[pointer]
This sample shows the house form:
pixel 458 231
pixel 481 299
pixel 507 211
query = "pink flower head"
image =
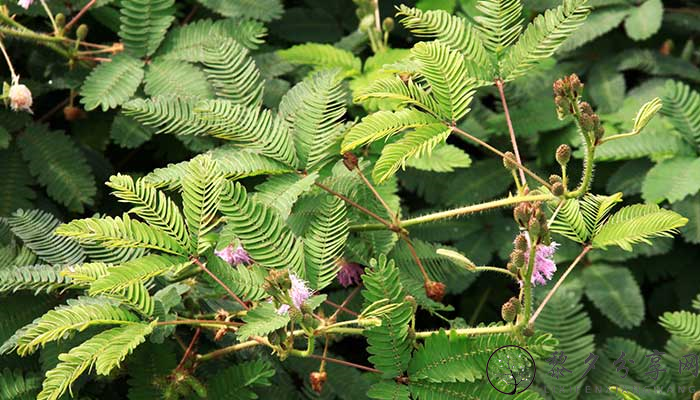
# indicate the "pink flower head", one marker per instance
pixel 20 97
pixel 299 291
pixel 544 267
pixel 234 256
pixel 349 273
pixel 25 3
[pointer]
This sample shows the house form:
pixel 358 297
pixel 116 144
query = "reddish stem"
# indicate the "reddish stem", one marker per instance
pixel 511 131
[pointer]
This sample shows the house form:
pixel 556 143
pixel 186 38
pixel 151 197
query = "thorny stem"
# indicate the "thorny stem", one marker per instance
pixel 342 362
pixel 511 131
pixel 471 331
pixel 588 157
pixel 222 284
pixel 559 282
pixel 527 281
pixel 79 15
pixel 376 194
pixel 457 212
pixel 520 166
pixel 230 349
pixel 9 62
pixel 354 204
pixel 189 349
pixel 200 322
pixel 415 257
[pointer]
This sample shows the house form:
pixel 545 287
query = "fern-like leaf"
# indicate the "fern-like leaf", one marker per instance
pixel 240 379
pixel 201 189
pixel 176 78
pixel 406 93
pixel 18 385
pixel 445 70
pixel 543 37
pixel 233 73
pixel 313 108
pixel 263 10
pixel 37 278
pixel 261 230
pixel 323 56
pixel 324 242
pixel 55 159
pixel 682 107
pixel 384 124
pixel 451 30
pixel 36 229
pixel 121 232
pixel 136 271
pixel 144 23
pixel 615 293
pixel 255 128
pixel 500 23
pixel 282 191
pixel 417 143
pixel 262 320
pixel 76 316
pixel 105 351
pixel 152 205
pixel 684 325
pixel 638 223
pixel 112 83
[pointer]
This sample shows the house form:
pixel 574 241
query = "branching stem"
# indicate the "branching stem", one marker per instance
pixel 222 284
pixel 511 131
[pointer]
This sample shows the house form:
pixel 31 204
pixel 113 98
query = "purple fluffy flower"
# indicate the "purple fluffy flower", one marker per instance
pixel 299 291
pixel 25 3
pixel 544 262
pixel 283 309
pixel 234 256
pixel 349 273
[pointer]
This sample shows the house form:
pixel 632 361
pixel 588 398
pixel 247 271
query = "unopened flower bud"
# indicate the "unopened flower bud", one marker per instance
pixel 435 290
pixel 509 161
pixel 520 243
pixel 521 213
pixel 562 102
pixel 511 267
pixel 559 88
pixel 60 20
pixel 586 108
pixel 508 312
pixel 558 189
pixel 563 154
pixel 388 24
pixel 81 32
pixel 317 380
pixel 576 85
pixel 516 303
pixel 517 258
pixel 599 133
pixel 20 98
pixel 534 227
pixel 220 334
pixel 586 123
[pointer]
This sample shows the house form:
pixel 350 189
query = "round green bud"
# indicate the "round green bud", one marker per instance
pixel 563 155
pixel 81 32
pixel 520 243
pixel 60 20
pixel 508 312
pixel 534 227
pixel 509 161
pixel 516 303
pixel 388 24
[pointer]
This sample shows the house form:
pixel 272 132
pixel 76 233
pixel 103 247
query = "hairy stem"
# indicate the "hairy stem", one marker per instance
pixel 520 166
pixel 457 212
pixel 559 282
pixel 511 131
pixel 354 204
pixel 499 270
pixel 527 284
pixel 484 330
pixel 412 249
